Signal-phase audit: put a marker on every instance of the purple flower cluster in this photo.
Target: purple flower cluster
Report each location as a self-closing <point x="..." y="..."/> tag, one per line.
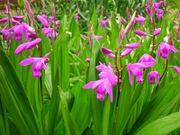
<point x="50" y="25"/>
<point x="146" y="61"/>
<point x="107" y="77"/>
<point x="154" y="9"/>
<point x="18" y="31"/>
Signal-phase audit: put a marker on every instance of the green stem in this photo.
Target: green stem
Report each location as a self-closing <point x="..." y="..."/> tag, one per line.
<point x="165" y="69"/>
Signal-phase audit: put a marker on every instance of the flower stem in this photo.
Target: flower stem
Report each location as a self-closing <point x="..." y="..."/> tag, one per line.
<point x="165" y="69"/>
<point x="118" y="74"/>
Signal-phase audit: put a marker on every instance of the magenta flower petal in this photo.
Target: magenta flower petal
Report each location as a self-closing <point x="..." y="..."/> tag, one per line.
<point x="140" y="33"/>
<point x="92" y="84"/>
<point x="43" y="20"/>
<point x="21" y="48"/>
<point x="33" y="43"/>
<point x="153" y="75"/>
<point x="172" y="48"/>
<point x="132" y="45"/>
<point x="27" y="61"/>
<point x="164" y="50"/>
<point x="177" y="69"/>
<point x="18" y="32"/>
<point x="3" y="20"/>
<point x="105" y="50"/>
<point x="101" y="67"/>
<point x="158" y="4"/>
<point x="137" y="71"/>
<point x="14" y="22"/>
<point x="108" y="52"/>
<point x="18" y="18"/>
<point x="76" y="17"/>
<point x="148" y="10"/>
<point x="6" y="34"/>
<point x="104" y="23"/>
<point x="140" y="19"/>
<point x="104" y="84"/>
<point x="108" y="89"/>
<point x="38" y="64"/>
<point x="84" y="37"/>
<point x="159" y="13"/>
<point x="157" y="31"/>
<point x="146" y="58"/>
<point x="98" y="37"/>
<point x="126" y="52"/>
<point x="50" y="33"/>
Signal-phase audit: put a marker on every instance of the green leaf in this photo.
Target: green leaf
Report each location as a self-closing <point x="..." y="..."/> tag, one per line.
<point x="162" y="126"/>
<point x="14" y="98"/>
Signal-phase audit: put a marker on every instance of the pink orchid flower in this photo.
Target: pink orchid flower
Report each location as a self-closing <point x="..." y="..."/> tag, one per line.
<point x="164" y="50"/>
<point x="104" y="85"/>
<point x="136" y="69"/>
<point x="27" y="46"/>
<point x="157" y="31"/>
<point x="18" y="18"/>
<point x="158" y="4"/>
<point x="140" y="33"/>
<point x="22" y="30"/>
<point x="3" y="20"/>
<point x="129" y="48"/>
<point x="39" y="63"/>
<point x="104" y="23"/>
<point x="50" y="33"/>
<point x="43" y="20"/>
<point x="152" y="76"/>
<point x="7" y="34"/>
<point x="159" y="13"/>
<point x="108" y="52"/>
<point x="147" y="59"/>
<point x="140" y="19"/>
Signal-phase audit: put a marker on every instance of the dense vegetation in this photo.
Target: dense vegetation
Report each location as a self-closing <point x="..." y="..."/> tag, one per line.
<point x="91" y="67"/>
